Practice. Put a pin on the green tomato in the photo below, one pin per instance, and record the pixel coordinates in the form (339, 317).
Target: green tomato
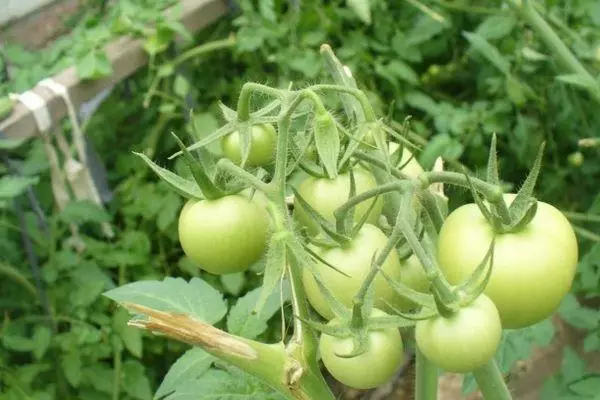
(411, 168)
(354, 259)
(412, 274)
(326, 195)
(376, 366)
(533, 268)
(225, 235)
(262, 145)
(463, 342)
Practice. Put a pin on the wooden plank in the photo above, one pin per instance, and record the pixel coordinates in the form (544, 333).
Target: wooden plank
(126, 55)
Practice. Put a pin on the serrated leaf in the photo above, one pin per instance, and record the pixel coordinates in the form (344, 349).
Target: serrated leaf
(81, 211)
(489, 51)
(12, 186)
(327, 142)
(242, 321)
(187, 188)
(187, 369)
(231, 384)
(195, 298)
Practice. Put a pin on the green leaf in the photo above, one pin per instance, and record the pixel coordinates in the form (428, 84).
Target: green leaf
(586, 387)
(81, 211)
(135, 381)
(327, 141)
(515, 90)
(131, 337)
(441, 145)
(187, 188)
(493, 176)
(93, 65)
(579, 81)
(362, 9)
(489, 51)
(580, 317)
(181, 86)
(71, 365)
(233, 283)
(230, 384)
(42, 337)
(185, 371)
(421, 101)
(242, 320)
(496, 26)
(13, 186)
(195, 298)
(267, 10)
(17, 343)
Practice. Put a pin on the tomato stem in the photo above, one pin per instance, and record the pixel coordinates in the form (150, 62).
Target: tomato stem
(426, 382)
(491, 382)
(243, 107)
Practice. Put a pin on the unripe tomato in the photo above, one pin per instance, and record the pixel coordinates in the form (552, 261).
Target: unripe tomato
(412, 275)
(412, 169)
(533, 268)
(327, 195)
(225, 235)
(374, 367)
(262, 145)
(464, 341)
(354, 259)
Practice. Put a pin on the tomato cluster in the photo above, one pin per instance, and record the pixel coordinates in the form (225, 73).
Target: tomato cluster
(532, 270)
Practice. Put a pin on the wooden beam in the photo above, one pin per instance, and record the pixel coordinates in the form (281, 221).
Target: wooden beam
(126, 56)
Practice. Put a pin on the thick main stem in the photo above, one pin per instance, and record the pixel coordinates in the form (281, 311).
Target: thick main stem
(426, 383)
(491, 382)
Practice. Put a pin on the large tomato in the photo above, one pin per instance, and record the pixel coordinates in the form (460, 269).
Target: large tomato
(374, 367)
(327, 195)
(464, 341)
(533, 268)
(225, 235)
(262, 145)
(354, 259)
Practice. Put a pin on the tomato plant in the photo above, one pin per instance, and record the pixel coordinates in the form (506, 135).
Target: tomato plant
(263, 139)
(225, 235)
(381, 359)
(463, 341)
(326, 195)
(533, 267)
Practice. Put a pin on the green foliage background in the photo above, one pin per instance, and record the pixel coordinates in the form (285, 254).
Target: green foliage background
(461, 72)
